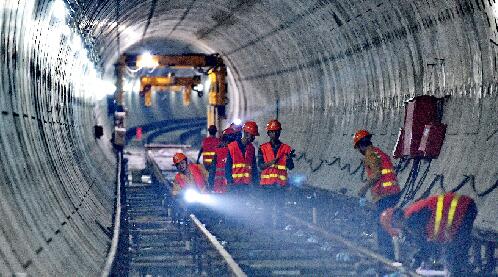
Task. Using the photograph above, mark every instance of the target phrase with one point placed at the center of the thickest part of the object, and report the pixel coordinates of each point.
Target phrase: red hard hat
(212, 127)
(251, 127)
(361, 134)
(273, 125)
(228, 131)
(386, 220)
(235, 127)
(178, 157)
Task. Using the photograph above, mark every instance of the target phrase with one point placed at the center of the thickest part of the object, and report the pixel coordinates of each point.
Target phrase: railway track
(237, 238)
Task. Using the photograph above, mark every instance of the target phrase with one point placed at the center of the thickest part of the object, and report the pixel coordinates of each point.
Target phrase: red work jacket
(448, 211)
(198, 178)
(387, 184)
(241, 163)
(277, 173)
(220, 182)
(208, 146)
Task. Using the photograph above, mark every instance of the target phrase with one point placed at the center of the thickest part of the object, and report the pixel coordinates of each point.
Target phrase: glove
(363, 202)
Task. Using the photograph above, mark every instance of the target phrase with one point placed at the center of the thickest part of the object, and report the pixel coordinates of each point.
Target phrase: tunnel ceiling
(328, 68)
(323, 68)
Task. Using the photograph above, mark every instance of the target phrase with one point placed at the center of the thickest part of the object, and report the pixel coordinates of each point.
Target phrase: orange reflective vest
(387, 184)
(448, 211)
(241, 163)
(220, 182)
(277, 173)
(198, 179)
(208, 146)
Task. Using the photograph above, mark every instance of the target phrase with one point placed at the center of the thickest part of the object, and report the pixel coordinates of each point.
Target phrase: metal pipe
(117, 223)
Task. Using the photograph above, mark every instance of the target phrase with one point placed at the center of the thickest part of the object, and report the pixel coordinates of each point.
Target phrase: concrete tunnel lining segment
(327, 67)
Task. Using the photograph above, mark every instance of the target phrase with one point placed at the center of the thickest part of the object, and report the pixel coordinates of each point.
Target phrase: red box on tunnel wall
(432, 140)
(421, 112)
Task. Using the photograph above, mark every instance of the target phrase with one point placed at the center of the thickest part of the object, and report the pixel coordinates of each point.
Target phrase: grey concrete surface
(325, 68)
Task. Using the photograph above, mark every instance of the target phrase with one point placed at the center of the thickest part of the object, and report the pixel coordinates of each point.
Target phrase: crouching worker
(444, 221)
(190, 181)
(382, 183)
(189, 176)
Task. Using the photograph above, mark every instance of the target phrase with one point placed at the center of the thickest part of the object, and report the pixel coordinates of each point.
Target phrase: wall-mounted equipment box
(423, 133)
(98, 131)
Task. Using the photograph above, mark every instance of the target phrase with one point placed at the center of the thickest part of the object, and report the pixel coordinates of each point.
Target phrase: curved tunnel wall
(325, 68)
(57, 182)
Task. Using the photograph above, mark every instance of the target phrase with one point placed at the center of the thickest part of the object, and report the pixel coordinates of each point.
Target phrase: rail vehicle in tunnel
(97, 93)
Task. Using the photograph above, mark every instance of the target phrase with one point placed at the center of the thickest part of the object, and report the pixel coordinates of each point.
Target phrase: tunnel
(325, 69)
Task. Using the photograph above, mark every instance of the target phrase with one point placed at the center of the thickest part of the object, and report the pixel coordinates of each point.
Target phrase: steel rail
(232, 265)
(350, 245)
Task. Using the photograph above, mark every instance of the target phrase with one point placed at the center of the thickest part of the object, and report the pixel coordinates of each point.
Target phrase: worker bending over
(274, 159)
(217, 181)
(209, 143)
(241, 170)
(443, 220)
(189, 176)
(382, 182)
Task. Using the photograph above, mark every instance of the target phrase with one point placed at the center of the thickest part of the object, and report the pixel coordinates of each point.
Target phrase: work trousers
(272, 199)
(456, 252)
(384, 240)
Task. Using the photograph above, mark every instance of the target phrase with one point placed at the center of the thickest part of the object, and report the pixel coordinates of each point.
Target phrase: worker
(274, 159)
(209, 143)
(241, 170)
(443, 220)
(217, 180)
(382, 182)
(189, 176)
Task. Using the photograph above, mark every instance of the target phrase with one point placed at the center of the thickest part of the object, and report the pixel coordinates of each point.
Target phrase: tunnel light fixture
(199, 87)
(147, 60)
(59, 10)
(237, 121)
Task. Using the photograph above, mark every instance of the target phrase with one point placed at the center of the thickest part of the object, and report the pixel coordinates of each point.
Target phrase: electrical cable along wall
(56, 184)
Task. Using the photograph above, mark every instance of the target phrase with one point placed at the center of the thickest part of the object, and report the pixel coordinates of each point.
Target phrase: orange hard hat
(228, 131)
(361, 134)
(273, 125)
(178, 157)
(235, 127)
(251, 127)
(386, 220)
(212, 127)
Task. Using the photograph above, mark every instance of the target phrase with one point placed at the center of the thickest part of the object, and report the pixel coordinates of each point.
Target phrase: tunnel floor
(163, 241)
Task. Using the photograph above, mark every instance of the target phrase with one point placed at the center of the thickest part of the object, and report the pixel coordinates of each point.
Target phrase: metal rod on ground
(117, 217)
(314, 216)
(350, 245)
(232, 265)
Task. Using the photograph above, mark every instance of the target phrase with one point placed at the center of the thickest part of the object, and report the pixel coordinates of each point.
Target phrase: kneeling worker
(382, 182)
(441, 220)
(189, 175)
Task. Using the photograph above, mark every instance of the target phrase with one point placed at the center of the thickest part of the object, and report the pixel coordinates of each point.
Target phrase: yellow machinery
(217, 97)
(170, 83)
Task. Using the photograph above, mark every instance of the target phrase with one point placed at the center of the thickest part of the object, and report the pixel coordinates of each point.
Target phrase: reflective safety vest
(220, 182)
(387, 184)
(241, 163)
(197, 181)
(208, 146)
(448, 211)
(277, 173)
